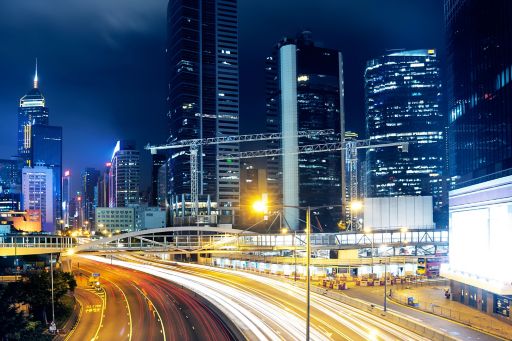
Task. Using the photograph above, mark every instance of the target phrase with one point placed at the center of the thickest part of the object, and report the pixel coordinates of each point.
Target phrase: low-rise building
(115, 218)
(149, 217)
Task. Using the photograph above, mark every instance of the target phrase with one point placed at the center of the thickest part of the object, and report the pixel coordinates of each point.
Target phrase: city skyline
(101, 84)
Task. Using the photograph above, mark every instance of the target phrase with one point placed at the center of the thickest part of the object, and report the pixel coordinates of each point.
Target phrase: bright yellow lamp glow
(356, 205)
(259, 206)
(284, 230)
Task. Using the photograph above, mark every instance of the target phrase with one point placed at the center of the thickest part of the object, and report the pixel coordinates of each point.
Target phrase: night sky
(102, 62)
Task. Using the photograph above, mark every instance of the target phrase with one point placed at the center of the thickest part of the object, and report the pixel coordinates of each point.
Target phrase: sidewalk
(431, 299)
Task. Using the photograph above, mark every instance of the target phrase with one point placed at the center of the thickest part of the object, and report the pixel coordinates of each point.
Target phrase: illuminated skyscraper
(124, 175)
(37, 192)
(305, 92)
(32, 111)
(10, 184)
(66, 196)
(403, 98)
(479, 51)
(90, 177)
(158, 160)
(46, 150)
(203, 98)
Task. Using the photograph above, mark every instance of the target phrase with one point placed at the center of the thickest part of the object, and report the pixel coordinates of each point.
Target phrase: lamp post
(368, 230)
(261, 206)
(355, 206)
(385, 286)
(308, 261)
(53, 327)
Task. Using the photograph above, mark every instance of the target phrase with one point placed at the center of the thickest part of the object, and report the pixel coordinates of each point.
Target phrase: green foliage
(34, 290)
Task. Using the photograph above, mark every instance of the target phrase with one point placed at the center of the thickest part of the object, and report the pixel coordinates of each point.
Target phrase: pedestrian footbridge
(202, 239)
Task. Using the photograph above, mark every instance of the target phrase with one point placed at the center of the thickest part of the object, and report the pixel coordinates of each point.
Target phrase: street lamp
(355, 206)
(53, 327)
(262, 207)
(367, 230)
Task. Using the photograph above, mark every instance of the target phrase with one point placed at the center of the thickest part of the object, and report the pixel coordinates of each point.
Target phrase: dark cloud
(102, 62)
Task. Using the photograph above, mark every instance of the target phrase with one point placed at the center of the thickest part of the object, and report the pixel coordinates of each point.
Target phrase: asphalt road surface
(269, 309)
(133, 305)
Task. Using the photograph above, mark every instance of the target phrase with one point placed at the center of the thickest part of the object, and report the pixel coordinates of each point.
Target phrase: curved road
(269, 309)
(134, 305)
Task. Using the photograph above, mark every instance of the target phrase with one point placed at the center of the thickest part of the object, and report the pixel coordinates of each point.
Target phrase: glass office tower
(479, 38)
(46, 151)
(10, 184)
(32, 110)
(203, 101)
(90, 177)
(403, 103)
(306, 93)
(124, 175)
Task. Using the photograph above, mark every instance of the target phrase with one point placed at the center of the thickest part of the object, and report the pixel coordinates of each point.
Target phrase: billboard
(480, 236)
(411, 212)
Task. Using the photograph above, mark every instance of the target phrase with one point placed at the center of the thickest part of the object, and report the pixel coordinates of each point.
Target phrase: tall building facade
(309, 96)
(66, 198)
(479, 38)
(124, 175)
(46, 151)
(37, 190)
(158, 160)
(32, 110)
(10, 184)
(403, 104)
(104, 186)
(38, 142)
(202, 52)
(90, 177)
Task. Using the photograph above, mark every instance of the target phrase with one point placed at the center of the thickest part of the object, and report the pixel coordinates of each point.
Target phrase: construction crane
(350, 147)
(194, 145)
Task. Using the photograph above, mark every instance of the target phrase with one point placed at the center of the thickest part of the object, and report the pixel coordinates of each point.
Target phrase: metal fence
(487, 325)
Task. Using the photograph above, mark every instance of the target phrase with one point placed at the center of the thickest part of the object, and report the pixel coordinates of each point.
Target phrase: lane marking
(159, 317)
(127, 306)
(77, 321)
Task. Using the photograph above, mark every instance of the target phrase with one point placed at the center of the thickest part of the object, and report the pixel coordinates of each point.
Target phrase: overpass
(23, 245)
(203, 239)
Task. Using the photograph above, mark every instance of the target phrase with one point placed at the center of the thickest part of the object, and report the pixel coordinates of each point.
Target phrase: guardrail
(454, 315)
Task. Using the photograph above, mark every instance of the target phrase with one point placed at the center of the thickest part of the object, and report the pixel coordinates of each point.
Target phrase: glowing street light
(260, 206)
(356, 206)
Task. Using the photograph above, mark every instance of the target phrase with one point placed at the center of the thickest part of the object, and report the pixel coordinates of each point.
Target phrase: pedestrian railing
(500, 329)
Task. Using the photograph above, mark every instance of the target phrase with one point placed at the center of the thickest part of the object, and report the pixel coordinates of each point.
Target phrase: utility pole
(308, 281)
(53, 327)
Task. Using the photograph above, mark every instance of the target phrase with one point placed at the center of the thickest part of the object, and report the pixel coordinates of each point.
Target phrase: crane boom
(312, 148)
(194, 144)
(350, 147)
(237, 139)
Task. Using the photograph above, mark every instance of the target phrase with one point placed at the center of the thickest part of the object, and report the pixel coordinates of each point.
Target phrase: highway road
(133, 305)
(267, 309)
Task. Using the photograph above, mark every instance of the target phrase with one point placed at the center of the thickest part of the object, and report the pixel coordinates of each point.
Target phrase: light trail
(361, 322)
(232, 302)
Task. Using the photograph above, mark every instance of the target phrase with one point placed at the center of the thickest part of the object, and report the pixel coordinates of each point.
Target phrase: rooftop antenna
(36, 80)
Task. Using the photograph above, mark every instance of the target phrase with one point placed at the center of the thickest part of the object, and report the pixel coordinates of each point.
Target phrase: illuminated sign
(480, 234)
